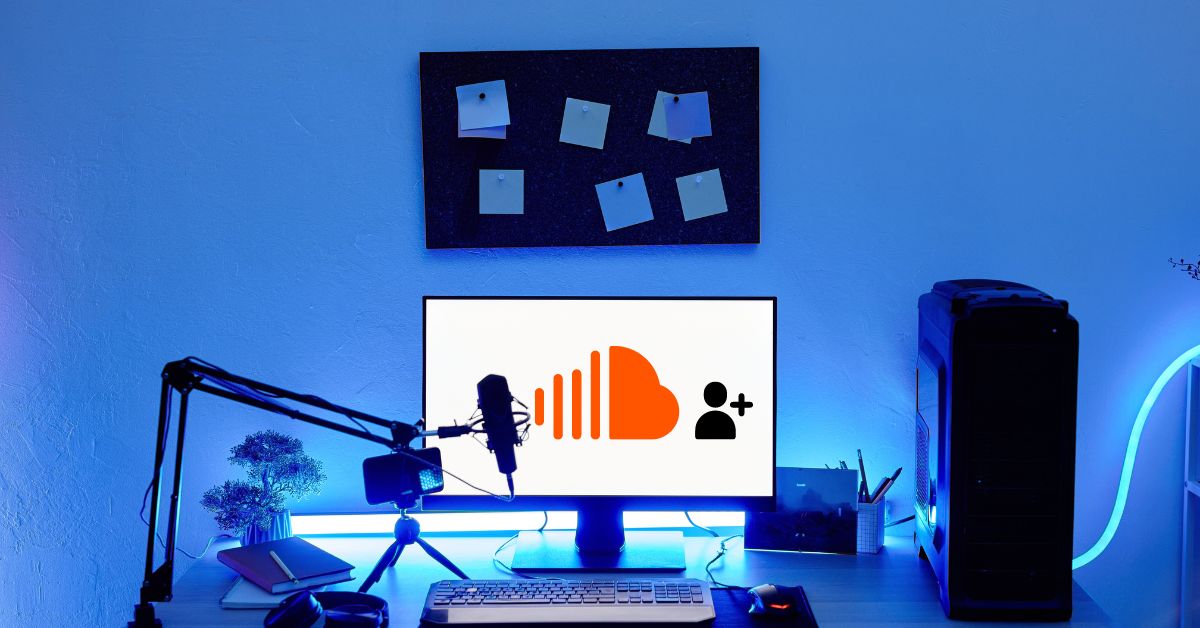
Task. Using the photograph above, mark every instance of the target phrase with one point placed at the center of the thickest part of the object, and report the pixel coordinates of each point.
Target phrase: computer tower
(997, 365)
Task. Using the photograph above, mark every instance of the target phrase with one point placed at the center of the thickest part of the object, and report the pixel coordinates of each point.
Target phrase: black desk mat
(732, 607)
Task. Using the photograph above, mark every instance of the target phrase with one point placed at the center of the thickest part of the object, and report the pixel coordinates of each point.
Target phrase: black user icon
(715, 424)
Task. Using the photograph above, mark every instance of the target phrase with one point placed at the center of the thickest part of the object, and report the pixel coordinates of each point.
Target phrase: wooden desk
(892, 588)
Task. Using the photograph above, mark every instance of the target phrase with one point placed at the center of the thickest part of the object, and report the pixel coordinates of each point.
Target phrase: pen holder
(870, 528)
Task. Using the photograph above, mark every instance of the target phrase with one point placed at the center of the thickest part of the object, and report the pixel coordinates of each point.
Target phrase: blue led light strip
(1135, 437)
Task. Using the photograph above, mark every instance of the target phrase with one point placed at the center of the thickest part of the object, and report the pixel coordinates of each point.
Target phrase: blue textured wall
(242, 181)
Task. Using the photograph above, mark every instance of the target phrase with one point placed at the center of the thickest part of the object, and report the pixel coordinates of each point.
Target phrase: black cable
(710, 531)
(306, 397)
(511, 494)
(720, 554)
(507, 568)
(162, 447)
(310, 397)
(899, 521)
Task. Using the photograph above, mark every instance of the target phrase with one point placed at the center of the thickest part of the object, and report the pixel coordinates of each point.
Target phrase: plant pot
(281, 528)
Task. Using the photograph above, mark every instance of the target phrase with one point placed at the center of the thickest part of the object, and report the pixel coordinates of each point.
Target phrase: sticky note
(584, 123)
(658, 119)
(701, 194)
(624, 202)
(502, 191)
(482, 105)
(487, 132)
(687, 115)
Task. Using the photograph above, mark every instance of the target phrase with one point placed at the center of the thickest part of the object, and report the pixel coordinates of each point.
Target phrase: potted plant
(1191, 268)
(276, 469)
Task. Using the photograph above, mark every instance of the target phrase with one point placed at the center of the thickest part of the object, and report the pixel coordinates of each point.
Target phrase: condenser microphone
(495, 401)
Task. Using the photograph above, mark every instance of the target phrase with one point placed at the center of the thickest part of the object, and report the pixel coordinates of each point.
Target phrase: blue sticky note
(658, 119)
(487, 132)
(584, 123)
(701, 194)
(624, 202)
(687, 115)
(502, 191)
(482, 105)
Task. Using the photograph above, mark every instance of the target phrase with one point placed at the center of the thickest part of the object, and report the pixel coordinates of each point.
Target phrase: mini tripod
(408, 531)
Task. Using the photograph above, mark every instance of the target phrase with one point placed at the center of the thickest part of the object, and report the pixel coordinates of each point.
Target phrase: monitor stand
(599, 543)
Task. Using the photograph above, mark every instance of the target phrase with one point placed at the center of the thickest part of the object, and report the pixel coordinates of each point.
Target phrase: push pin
(699, 178)
(501, 176)
(482, 95)
(620, 184)
(585, 108)
(676, 99)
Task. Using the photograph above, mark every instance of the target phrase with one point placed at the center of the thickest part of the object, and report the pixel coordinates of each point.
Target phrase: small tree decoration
(276, 467)
(1191, 268)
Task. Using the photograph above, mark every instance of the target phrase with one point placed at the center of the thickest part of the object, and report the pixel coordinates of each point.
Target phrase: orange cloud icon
(639, 407)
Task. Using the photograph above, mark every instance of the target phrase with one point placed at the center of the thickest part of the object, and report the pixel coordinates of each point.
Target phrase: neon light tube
(1135, 438)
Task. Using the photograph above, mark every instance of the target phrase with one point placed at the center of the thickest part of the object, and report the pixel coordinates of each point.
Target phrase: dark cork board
(561, 207)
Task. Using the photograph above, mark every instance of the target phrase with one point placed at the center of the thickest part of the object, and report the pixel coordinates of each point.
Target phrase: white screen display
(684, 405)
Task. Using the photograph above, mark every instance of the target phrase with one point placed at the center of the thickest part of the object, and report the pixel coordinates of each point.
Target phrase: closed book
(311, 565)
(247, 595)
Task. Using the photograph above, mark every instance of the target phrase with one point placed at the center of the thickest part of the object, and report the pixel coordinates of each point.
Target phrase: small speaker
(997, 368)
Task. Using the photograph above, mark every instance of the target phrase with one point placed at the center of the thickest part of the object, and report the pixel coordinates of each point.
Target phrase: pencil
(287, 572)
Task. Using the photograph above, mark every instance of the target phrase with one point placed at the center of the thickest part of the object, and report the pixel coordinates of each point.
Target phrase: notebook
(312, 565)
(245, 594)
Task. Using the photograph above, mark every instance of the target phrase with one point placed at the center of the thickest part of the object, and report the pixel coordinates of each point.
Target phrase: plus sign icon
(716, 424)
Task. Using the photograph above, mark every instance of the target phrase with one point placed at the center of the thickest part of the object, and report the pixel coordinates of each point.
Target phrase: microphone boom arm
(194, 375)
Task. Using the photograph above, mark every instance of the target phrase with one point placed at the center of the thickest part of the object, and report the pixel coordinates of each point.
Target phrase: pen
(878, 488)
(863, 495)
(287, 572)
(887, 486)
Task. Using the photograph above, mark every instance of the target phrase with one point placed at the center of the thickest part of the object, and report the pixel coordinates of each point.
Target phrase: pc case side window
(928, 427)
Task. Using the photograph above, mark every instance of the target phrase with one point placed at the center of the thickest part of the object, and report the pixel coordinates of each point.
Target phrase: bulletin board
(561, 205)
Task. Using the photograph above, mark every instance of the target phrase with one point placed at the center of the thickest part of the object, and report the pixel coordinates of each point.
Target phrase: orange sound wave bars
(639, 407)
(539, 402)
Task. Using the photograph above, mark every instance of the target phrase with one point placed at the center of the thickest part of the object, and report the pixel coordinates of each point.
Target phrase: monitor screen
(663, 402)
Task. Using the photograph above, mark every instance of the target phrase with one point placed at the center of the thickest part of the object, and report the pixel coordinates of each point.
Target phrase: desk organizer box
(870, 528)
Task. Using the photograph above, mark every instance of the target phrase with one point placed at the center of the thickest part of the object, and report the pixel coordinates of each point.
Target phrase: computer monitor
(635, 404)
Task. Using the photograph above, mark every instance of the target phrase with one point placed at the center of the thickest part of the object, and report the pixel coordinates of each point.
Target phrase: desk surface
(892, 588)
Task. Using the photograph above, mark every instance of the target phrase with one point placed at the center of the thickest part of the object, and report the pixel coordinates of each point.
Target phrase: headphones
(341, 609)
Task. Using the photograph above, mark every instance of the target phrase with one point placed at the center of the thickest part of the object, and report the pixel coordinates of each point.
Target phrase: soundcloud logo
(639, 406)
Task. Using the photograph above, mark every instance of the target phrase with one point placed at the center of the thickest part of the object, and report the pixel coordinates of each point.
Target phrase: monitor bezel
(447, 503)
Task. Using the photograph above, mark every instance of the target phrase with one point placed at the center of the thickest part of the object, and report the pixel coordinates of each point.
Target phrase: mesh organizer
(870, 528)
